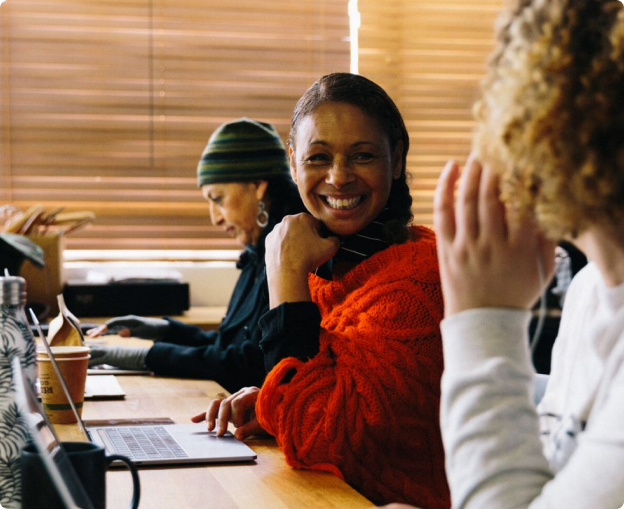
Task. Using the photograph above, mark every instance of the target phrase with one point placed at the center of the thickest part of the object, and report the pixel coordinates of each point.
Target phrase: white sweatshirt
(499, 453)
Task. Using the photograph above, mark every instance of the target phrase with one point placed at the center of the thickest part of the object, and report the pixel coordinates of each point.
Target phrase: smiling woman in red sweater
(352, 341)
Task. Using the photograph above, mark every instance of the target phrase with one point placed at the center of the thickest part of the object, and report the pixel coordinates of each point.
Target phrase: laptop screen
(55, 461)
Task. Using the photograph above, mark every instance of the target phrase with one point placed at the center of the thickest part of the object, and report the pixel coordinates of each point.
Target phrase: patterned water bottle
(16, 339)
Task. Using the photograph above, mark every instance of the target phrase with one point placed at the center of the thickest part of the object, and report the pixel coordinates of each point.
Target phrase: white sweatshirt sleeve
(494, 455)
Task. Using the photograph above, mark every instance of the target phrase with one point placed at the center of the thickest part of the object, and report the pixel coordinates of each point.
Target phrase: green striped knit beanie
(241, 151)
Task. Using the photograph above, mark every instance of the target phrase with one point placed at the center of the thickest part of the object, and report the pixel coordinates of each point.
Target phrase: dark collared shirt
(357, 248)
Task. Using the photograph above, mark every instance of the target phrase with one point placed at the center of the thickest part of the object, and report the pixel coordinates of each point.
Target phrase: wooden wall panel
(108, 104)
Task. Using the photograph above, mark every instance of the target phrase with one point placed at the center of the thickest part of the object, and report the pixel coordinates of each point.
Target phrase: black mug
(90, 463)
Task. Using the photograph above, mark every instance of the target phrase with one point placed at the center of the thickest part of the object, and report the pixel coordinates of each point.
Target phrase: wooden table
(266, 483)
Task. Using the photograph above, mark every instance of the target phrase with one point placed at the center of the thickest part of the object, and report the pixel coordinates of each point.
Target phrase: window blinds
(430, 56)
(106, 105)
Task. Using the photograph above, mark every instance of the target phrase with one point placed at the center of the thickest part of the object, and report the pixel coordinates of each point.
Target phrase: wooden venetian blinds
(430, 55)
(106, 105)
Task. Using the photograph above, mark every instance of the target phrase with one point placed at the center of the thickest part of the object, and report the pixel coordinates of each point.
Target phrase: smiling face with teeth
(343, 165)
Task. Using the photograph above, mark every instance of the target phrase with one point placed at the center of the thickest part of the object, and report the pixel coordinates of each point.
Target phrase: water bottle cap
(12, 291)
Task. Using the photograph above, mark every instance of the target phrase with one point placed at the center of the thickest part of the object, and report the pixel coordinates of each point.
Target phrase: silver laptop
(166, 444)
(54, 459)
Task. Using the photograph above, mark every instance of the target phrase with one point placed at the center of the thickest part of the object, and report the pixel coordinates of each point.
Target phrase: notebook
(163, 444)
(103, 387)
(100, 387)
(55, 461)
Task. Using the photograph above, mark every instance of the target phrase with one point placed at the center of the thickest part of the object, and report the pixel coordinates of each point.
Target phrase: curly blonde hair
(551, 115)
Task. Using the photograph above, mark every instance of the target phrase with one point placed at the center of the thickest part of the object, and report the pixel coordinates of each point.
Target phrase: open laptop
(55, 461)
(163, 444)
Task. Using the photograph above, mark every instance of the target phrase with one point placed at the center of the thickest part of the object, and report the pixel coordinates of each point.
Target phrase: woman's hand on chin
(239, 409)
(293, 249)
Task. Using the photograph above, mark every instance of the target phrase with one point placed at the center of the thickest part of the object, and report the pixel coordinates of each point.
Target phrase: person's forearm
(490, 428)
(124, 357)
(290, 330)
(185, 334)
(233, 367)
(287, 285)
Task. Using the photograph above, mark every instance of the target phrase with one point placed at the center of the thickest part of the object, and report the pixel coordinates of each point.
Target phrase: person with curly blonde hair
(548, 164)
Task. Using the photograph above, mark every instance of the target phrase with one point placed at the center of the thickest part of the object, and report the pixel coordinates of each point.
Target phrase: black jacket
(231, 355)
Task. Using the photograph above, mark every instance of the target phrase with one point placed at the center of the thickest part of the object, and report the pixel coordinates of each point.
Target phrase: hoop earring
(262, 219)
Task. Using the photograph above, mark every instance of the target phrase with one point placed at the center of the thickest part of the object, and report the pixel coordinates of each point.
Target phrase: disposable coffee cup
(73, 362)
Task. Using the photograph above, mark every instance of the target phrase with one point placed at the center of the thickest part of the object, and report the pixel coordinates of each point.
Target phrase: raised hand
(488, 257)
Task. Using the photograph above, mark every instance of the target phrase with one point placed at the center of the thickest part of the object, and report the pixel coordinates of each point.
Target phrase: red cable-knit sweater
(366, 406)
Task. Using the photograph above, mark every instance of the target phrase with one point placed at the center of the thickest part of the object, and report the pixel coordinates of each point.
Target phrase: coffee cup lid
(64, 352)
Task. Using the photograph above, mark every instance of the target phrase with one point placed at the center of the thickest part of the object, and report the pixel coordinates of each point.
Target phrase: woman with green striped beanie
(244, 175)
(234, 172)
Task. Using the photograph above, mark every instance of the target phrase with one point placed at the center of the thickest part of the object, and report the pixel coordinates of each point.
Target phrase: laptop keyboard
(144, 442)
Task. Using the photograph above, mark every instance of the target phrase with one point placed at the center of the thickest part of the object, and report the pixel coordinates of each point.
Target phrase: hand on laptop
(239, 409)
(133, 326)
